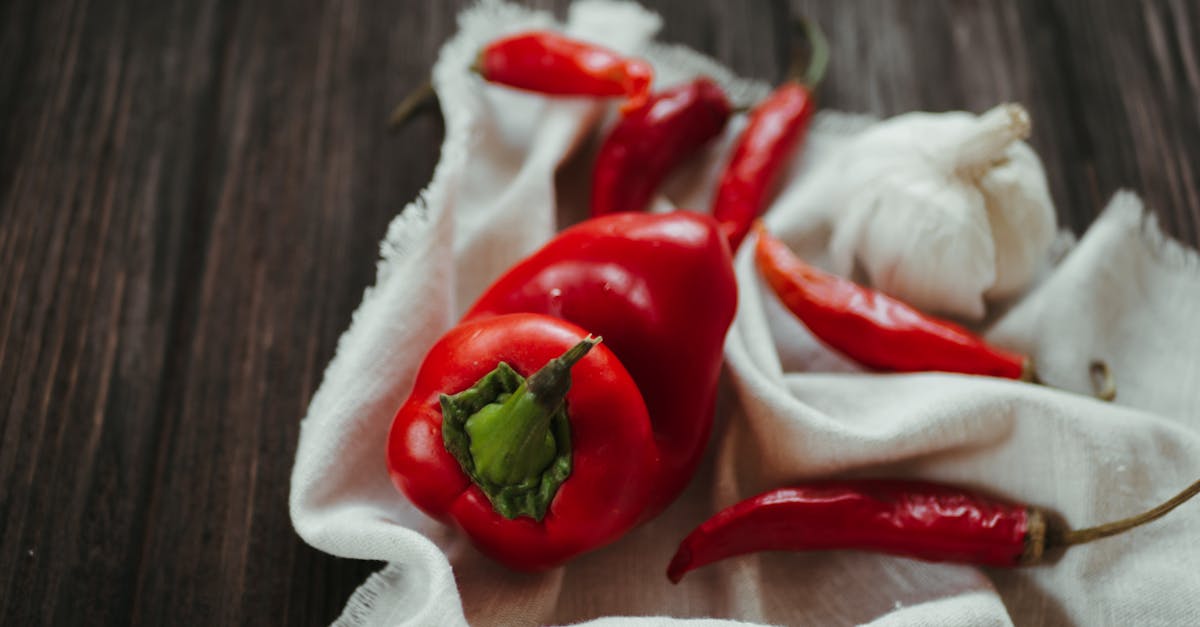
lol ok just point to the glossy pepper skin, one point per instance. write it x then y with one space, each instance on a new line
661 291
929 521
776 127
924 520
549 63
649 142
612 448
874 329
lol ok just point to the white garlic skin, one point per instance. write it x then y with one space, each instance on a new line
942 210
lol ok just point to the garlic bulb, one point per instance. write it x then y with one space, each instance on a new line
942 210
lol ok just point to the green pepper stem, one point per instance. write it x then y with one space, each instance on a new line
511 440
808 67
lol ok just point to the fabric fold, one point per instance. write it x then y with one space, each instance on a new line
790 408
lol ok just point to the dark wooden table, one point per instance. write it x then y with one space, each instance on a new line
191 195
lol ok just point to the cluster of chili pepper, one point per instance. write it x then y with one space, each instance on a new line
495 438
649 142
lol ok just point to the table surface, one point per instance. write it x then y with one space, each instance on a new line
191 196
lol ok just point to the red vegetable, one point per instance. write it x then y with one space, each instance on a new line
874 329
549 63
660 289
531 481
534 482
776 127
919 519
650 141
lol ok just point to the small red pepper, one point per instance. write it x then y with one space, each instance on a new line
919 519
661 291
536 473
776 127
496 438
649 142
549 63
875 329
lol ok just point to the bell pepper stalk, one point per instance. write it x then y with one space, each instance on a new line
528 434
511 435
660 290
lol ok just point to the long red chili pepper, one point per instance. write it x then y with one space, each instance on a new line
924 520
650 141
776 127
875 329
549 63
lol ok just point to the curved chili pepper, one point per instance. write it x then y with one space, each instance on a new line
776 127
661 291
496 438
920 519
549 63
875 329
649 142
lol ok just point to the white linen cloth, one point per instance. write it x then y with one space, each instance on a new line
513 170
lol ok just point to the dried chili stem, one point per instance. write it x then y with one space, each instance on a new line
808 68
415 99
1080 536
1102 380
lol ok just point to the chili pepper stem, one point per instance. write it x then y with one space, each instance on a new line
809 69
1104 385
1102 380
415 99
1082 536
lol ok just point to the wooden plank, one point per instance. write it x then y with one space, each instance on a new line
103 128
302 183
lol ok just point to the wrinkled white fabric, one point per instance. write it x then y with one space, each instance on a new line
514 169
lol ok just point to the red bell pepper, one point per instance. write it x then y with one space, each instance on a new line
538 472
661 291
531 481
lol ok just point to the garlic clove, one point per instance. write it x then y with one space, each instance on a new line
1022 218
923 239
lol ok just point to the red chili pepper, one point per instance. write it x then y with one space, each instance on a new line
924 520
549 63
661 291
874 329
650 141
496 438
776 127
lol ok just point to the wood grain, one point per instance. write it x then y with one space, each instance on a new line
191 196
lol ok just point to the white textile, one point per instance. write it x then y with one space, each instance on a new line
513 170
